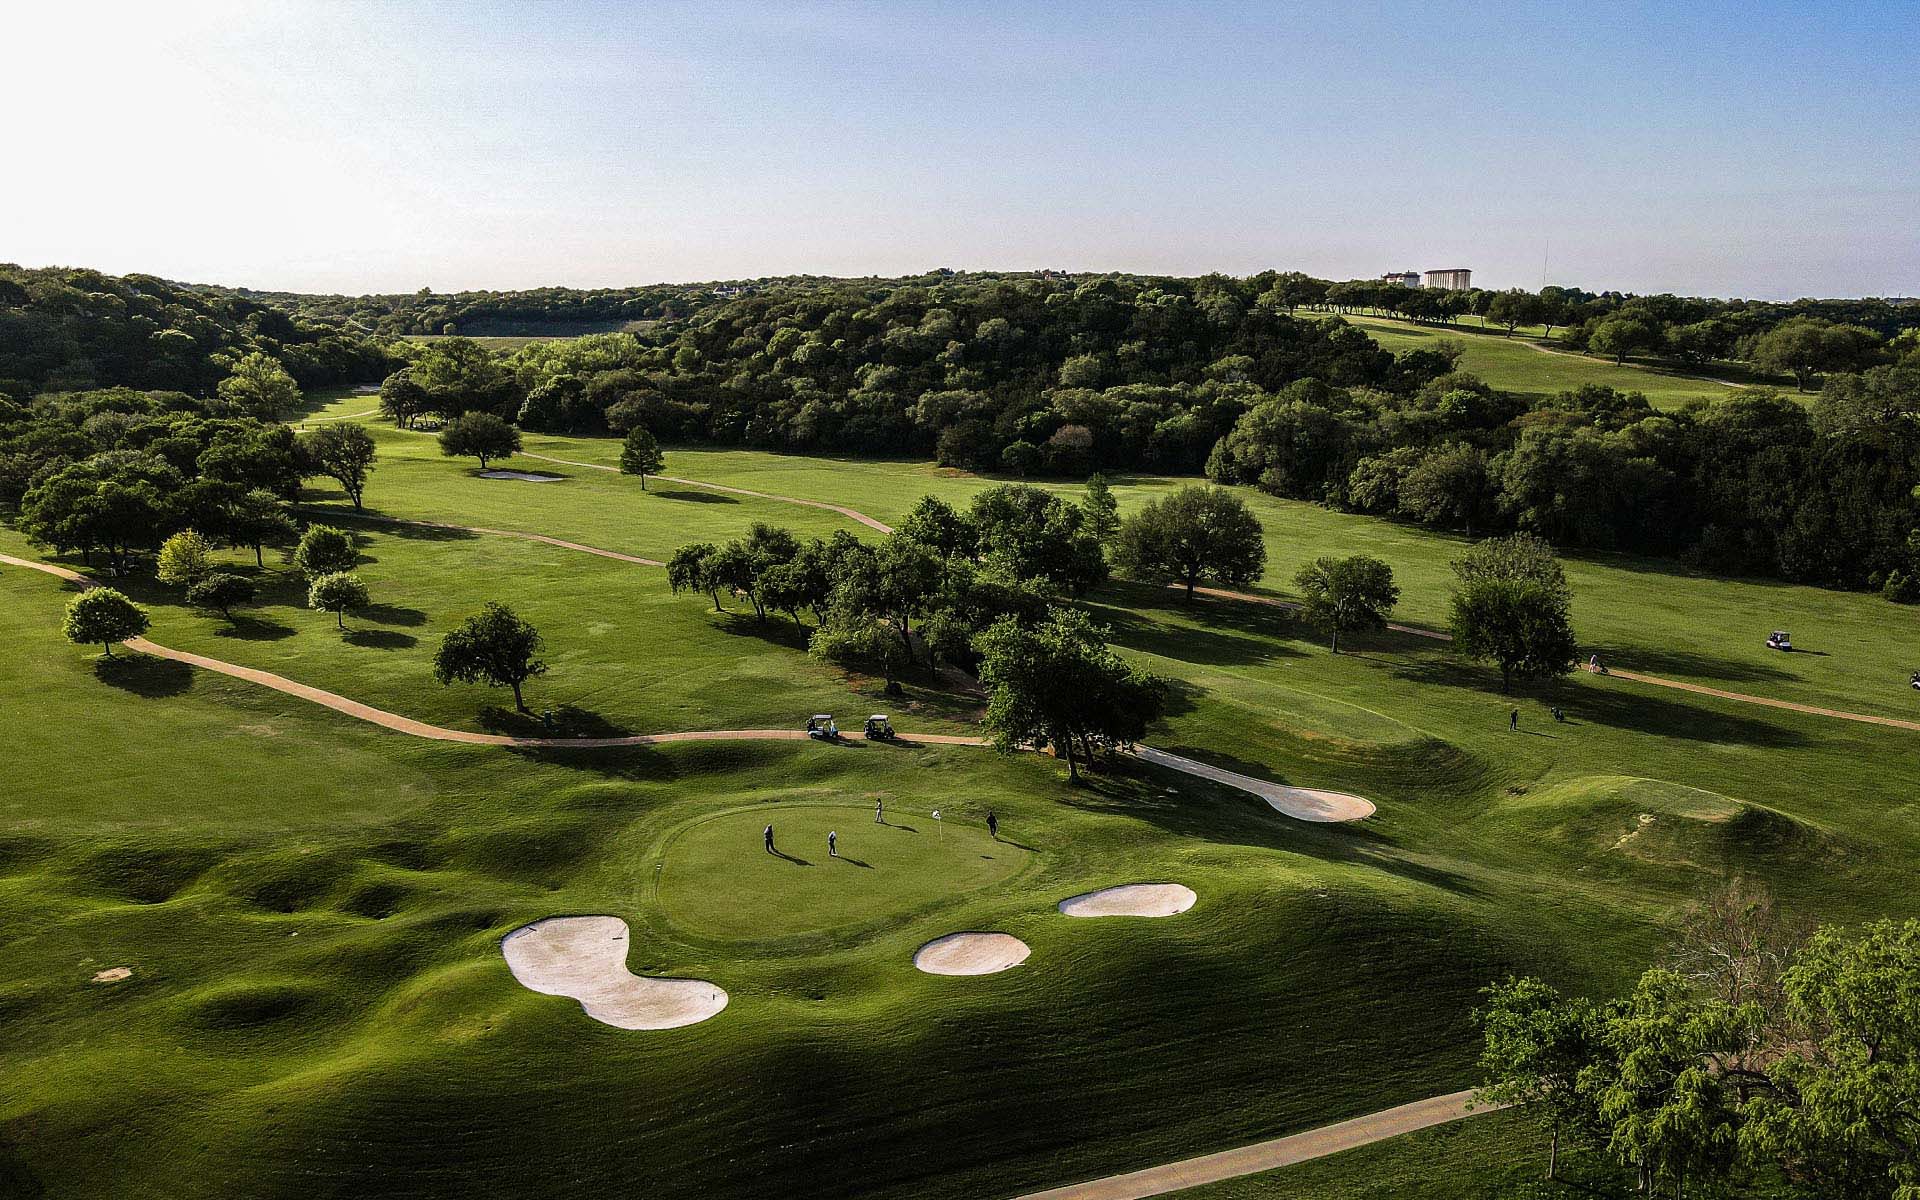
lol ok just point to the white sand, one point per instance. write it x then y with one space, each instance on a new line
113 975
1305 804
522 476
586 958
971 954
1131 900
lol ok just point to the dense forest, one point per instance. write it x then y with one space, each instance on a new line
1251 380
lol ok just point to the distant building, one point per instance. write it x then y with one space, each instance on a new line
1403 278
1452 279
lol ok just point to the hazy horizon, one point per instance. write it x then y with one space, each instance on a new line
1749 151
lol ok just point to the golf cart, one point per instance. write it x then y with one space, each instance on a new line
1780 639
820 725
879 729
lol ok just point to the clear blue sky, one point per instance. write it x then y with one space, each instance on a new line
1756 149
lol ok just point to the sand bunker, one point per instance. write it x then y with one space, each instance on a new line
113 975
522 476
971 954
1305 804
586 958
1131 900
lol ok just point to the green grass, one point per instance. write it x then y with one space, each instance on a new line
1533 367
312 906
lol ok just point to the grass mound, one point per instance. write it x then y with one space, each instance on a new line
142 875
244 1007
376 899
1657 823
285 881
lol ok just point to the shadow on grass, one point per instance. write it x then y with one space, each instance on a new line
144 674
391 614
1624 706
379 639
1687 663
1186 643
696 497
255 629
568 721
1214 812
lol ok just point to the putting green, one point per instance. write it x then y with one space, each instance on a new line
717 880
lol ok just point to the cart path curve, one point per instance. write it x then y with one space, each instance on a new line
1275 1152
344 514
852 514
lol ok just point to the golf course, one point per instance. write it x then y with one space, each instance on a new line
562 947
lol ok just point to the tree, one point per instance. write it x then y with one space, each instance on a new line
1198 533
256 518
1807 347
403 398
104 616
1021 458
1621 335
1844 1115
1029 534
338 593
221 591
1448 487
856 641
1513 309
895 584
342 450
1512 606
1537 1046
184 559
1103 511
640 455
690 570
324 550
1057 684
1346 595
261 386
479 435
495 647
934 523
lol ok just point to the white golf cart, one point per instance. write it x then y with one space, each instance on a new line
1780 639
879 729
820 725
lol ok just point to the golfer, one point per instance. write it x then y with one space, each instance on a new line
1513 721
833 850
879 812
767 833
993 825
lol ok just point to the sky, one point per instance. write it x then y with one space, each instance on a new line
1756 149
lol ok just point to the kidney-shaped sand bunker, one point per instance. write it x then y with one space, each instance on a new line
585 958
971 954
1131 900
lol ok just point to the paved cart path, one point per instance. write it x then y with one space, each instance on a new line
1276 1152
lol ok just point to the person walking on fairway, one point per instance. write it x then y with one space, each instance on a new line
768 835
879 812
1513 721
993 826
833 849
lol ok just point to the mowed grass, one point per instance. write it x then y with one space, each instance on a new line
312 906
1536 369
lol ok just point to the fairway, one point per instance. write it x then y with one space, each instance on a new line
715 880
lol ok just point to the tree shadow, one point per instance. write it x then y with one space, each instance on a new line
1185 643
379 639
569 721
695 497
1625 706
255 629
144 674
392 614
1209 811
1689 663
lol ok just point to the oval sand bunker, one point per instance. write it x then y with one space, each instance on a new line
971 954
1131 900
585 958
1304 804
